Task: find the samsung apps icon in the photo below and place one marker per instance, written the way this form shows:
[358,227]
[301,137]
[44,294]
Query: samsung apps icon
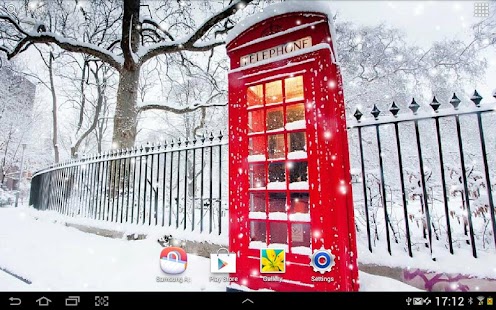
[272,261]
[223,262]
[173,260]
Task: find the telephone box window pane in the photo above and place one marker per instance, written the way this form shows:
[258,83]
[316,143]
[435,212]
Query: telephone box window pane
[299,203]
[277,202]
[273,92]
[294,88]
[277,176]
[295,117]
[300,235]
[278,233]
[256,145]
[297,141]
[256,121]
[258,231]
[254,95]
[298,171]
[257,176]
[276,146]
[257,202]
[275,119]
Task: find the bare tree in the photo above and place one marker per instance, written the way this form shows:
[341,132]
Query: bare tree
[380,67]
[125,41]
[87,95]
[16,102]
[48,58]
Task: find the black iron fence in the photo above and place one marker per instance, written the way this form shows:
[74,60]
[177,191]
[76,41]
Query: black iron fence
[423,179]
[178,184]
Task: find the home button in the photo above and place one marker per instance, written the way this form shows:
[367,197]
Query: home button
[43,301]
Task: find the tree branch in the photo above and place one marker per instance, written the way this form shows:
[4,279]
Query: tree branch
[212,21]
[64,43]
[14,23]
[111,46]
[190,43]
[156,25]
[178,110]
[98,109]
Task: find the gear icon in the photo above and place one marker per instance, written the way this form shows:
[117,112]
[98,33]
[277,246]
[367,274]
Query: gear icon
[322,260]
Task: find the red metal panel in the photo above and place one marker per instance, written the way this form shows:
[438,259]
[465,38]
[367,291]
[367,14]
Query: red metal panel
[331,209]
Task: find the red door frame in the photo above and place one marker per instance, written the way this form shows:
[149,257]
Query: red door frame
[331,209]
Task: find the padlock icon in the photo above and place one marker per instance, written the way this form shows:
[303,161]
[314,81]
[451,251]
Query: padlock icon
[173,260]
[223,262]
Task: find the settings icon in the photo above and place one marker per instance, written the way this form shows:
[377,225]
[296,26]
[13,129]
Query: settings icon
[322,260]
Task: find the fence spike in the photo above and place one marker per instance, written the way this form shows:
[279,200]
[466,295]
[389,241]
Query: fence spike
[194,140]
[172,142]
[455,101]
[435,104]
[394,109]
[375,112]
[476,98]
[414,106]
[179,142]
[211,137]
[203,138]
[186,142]
[358,115]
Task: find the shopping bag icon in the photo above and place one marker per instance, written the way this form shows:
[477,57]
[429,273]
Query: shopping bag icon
[173,260]
[223,262]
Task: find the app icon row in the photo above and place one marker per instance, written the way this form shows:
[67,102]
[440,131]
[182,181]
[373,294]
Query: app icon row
[174,260]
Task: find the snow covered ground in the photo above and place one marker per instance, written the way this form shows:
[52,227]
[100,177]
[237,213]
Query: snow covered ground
[483,266]
[56,257]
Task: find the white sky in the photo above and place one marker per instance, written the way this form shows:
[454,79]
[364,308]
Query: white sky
[423,22]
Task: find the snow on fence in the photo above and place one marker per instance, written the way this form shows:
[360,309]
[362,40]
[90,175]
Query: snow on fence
[179,184]
[431,169]
[422,180]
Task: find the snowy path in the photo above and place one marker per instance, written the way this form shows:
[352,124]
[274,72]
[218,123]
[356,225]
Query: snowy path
[56,257]
[9,283]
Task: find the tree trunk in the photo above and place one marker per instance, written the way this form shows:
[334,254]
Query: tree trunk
[126,113]
[54,110]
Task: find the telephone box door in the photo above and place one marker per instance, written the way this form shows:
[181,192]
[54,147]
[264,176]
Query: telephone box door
[290,201]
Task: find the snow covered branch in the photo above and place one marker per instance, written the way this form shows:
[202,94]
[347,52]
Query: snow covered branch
[191,43]
[4,49]
[31,37]
[157,26]
[212,21]
[165,106]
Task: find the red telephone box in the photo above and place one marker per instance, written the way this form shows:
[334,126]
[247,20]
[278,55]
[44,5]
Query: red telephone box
[290,201]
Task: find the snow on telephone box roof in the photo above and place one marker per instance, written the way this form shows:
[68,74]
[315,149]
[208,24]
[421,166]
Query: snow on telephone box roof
[271,11]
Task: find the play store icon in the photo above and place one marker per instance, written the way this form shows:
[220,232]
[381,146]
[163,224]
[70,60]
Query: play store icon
[223,262]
